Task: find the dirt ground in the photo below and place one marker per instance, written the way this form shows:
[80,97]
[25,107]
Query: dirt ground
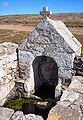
[74,30]
[16,27]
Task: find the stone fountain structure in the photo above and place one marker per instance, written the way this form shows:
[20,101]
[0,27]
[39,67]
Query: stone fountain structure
[46,56]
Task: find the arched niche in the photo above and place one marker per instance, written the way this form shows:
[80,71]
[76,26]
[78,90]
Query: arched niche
[45,71]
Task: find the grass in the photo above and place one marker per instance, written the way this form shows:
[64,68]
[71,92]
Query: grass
[82,51]
[16,104]
[80,38]
[19,36]
[12,36]
[74,23]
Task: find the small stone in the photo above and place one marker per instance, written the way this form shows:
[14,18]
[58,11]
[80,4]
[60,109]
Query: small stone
[77,84]
[33,117]
[28,86]
[57,93]
[18,115]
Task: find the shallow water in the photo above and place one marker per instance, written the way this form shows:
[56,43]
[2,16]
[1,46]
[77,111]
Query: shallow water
[34,106]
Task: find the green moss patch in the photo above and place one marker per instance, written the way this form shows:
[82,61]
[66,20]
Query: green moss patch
[17,104]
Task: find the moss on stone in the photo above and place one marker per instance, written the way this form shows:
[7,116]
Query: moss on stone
[17,104]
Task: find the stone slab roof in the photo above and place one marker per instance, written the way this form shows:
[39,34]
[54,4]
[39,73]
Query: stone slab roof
[50,31]
[66,34]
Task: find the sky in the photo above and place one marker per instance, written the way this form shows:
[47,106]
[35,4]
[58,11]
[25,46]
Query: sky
[9,7]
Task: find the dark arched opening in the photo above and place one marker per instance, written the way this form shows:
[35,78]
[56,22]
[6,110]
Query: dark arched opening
[45,71]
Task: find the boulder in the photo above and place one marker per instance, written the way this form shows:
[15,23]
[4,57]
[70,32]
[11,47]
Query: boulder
[18,115]
[64,113]
[77,84]
[68,96]
[70,106]
[5,113]
[72,94]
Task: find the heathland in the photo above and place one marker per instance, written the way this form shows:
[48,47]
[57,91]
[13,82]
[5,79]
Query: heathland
[15,28]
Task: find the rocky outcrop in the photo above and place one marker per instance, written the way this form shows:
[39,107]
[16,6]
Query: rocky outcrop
[20,116]
[74,92]
[70,106]
[5,113]
[8,65]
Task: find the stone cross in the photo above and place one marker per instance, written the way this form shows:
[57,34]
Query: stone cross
[45,13]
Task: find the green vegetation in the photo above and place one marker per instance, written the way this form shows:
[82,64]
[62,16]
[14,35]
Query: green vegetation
[19,36]
[80,38]
[82,51]
[17,104]
[74,23]
[12,36]
[20,19]
[74,20]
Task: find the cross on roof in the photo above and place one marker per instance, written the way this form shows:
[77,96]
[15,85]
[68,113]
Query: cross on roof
[45,13]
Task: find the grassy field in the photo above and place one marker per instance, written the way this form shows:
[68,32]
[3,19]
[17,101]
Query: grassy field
[12,36]
[15,28]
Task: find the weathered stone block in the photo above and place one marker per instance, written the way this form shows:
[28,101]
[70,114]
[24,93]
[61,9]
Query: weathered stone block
[65,113]
[8,63]
[5,113]
[5,89]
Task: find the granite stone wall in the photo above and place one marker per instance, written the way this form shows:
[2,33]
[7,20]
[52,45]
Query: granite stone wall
[8,68]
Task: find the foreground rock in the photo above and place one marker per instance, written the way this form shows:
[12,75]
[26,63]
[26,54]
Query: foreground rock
[20,116]
[5,113]
[66,113]
[74,93]
[70,106]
